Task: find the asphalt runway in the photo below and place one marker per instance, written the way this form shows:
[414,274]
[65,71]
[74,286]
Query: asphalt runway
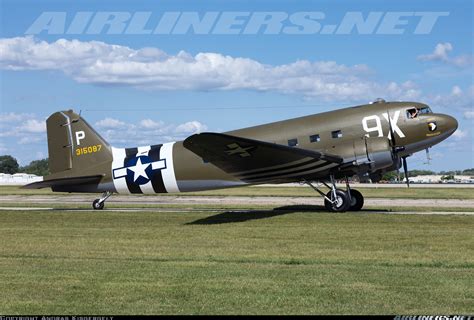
[280,203]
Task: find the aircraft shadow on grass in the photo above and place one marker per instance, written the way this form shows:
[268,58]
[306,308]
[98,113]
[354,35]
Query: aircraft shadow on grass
[247,215]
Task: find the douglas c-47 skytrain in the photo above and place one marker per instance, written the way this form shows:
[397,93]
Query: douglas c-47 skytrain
[368,139]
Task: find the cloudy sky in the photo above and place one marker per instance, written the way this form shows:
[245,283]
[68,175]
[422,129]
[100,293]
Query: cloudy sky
[138,84]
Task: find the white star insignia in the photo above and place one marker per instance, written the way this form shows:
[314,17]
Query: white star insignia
[139,170]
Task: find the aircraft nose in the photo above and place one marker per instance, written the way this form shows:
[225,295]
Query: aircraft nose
[441,126]
[450,124]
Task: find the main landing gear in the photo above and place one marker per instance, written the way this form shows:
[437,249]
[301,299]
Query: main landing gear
[98,204]
[338,200]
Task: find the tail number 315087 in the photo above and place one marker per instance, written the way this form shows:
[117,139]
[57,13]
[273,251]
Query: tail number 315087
[88,150]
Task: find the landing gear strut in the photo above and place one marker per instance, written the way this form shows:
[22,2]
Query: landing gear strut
[337,200]
[98,204]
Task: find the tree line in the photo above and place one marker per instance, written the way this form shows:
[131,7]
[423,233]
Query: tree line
[9,164]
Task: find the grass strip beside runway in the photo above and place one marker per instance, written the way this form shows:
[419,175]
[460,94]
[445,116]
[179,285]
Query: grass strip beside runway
[276,262]
[396,193]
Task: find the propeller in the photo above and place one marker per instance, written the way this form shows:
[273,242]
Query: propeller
[405,170]
[393,143]
[392,135]
[396,149]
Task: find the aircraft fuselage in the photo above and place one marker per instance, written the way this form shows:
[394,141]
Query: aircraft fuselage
[346,132]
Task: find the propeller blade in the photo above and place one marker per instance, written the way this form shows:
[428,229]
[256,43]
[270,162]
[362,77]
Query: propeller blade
[405,169]
[398,168]
[392,135]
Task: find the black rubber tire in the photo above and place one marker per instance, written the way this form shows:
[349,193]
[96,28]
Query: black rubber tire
[357,200]
[341,205]
[97,205]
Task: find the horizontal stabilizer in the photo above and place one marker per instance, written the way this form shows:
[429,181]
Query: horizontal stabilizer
[76,181]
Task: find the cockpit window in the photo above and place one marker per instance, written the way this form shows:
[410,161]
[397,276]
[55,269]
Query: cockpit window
[425,110]
[414,112]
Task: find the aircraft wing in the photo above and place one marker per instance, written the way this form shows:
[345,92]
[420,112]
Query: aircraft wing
[257,161]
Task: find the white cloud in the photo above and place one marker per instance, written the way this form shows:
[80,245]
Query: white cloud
[150,124]
[11,116]
[33,126]
[150,68]
[460,141]
[24,130]
[110,123]
[21,125]
[40,155]
[404,91]
[146,131]
[30,139]
[460,134]
[462,100]
[456,91]
[21,133]
[441,53]
[469,114]
[191,127]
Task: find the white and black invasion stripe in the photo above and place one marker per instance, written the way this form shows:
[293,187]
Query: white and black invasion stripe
[161,181]
[131,153]
[157,182]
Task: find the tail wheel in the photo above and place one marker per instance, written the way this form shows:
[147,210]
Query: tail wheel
[357,200]
[340,204]
[97,205]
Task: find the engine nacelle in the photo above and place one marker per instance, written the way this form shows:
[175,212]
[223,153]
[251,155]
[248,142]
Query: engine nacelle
[367,154]
[379,153]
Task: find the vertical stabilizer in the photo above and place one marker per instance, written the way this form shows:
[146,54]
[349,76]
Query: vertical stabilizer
[75,148]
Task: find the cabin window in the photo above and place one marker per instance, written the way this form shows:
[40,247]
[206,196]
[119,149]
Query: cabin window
[314,138]
[293,142]
[336,134]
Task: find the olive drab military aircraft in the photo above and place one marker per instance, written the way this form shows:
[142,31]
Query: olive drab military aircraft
[316,150]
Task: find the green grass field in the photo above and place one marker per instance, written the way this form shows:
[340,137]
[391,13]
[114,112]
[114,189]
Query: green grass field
[270,262]
[403,193]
